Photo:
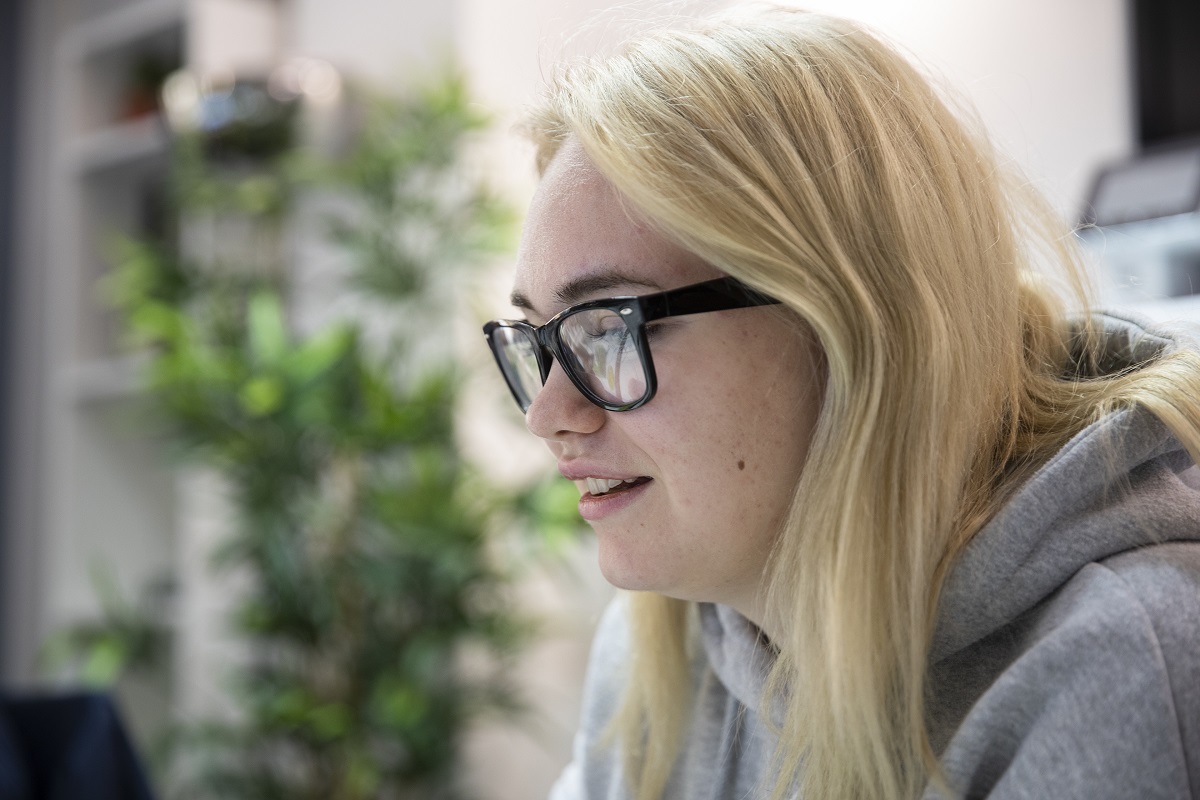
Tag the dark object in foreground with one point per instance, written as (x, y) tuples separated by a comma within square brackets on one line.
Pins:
[(65, 747)]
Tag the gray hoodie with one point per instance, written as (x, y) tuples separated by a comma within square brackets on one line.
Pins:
[(1066, 656)]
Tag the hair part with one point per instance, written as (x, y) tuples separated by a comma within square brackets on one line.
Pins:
[(802, 155)]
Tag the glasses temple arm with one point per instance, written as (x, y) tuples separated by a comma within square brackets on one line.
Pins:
[(717, 295)]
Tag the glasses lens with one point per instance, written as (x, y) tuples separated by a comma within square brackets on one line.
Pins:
[(605, 354), (518, 362)]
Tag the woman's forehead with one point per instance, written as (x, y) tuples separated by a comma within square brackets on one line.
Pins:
[(572, 160), (580, 238)]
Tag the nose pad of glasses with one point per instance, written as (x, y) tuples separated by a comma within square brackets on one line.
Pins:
[(545, 360), (572, 371)]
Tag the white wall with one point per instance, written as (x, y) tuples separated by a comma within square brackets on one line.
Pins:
[(380, 40), (1050, 78)]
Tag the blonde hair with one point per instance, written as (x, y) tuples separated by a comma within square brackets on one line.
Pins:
[(803, 156)]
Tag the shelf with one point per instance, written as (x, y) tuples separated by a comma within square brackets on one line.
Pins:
[(103, 380), (125, 144), (126, 25)]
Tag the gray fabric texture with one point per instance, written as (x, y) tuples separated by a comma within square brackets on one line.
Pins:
[(1066, 655)]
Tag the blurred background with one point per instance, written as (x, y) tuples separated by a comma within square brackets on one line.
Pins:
[(235, 236)]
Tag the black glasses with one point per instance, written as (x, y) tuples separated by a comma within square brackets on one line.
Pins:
[(602, 344)]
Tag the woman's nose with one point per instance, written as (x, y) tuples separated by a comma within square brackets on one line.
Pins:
[(559, 409)]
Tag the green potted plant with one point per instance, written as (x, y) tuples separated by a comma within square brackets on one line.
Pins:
[(377, 625)]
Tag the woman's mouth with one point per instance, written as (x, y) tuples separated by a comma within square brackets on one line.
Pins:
[(602, 486), (604, 496)]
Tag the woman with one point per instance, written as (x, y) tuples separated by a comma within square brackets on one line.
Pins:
[(893, 521)]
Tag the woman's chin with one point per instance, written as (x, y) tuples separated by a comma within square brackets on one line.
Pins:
[(628, 571)]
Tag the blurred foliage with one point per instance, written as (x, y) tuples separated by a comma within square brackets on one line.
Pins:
[(128, 636), (378, 627)]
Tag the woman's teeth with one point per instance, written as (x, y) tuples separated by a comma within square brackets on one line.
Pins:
[(598, 486)]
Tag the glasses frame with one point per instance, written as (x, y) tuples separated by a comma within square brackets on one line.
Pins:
[(721, 294)]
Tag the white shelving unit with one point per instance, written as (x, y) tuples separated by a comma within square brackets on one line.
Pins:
[(119, 147), (108, 488)]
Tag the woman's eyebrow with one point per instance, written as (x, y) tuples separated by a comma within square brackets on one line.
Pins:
[(576, 290)]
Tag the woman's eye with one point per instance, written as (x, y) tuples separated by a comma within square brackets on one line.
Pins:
[(613, 332)]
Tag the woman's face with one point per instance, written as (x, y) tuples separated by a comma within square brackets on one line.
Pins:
[(723, 441)]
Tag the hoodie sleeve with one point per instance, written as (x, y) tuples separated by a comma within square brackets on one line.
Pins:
[(594, 772)]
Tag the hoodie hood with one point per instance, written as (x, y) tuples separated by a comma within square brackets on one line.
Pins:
[(737, 652), (1121, 483)]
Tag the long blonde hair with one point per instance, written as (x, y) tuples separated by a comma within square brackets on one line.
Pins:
[(803, 156)]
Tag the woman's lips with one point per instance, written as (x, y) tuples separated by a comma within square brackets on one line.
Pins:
[(596, 507)]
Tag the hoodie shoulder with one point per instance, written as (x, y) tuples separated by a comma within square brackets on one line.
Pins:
[(1094, 694)]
